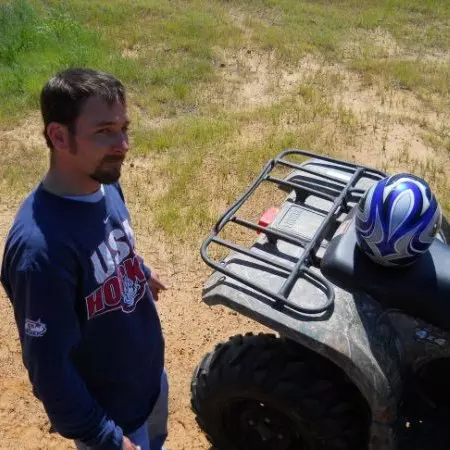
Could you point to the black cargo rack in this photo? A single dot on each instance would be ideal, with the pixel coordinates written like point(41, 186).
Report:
point(337, 191)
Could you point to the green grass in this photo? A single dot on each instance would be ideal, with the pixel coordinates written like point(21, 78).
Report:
point(423, 77)
point(35, 42)
point(189, 144)
point(188, 133)
point(20, 169)
point(438, 138)
point(173, 56)
point(174, 48)
point(294, 28)
point(172, 43)
point(325, 27)
point(209, 165)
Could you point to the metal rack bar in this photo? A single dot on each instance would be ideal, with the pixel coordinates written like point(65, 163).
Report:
point(308, 187)
point(247, 252)
point(338, 193)
point(311, 172)
point(318, 236)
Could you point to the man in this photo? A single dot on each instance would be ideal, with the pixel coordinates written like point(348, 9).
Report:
point(82, 297)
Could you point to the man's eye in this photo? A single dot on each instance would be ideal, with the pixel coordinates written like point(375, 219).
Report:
point(103, 131)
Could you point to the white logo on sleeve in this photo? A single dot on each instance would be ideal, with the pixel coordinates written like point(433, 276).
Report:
point(35, 328)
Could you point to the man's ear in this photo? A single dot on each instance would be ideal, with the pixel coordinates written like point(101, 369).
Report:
point(59, 135)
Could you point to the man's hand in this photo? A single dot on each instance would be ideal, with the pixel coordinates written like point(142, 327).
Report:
point(128, 445)
point(156, 285)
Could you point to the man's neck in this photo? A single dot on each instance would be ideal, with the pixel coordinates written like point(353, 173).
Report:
point(60, 184)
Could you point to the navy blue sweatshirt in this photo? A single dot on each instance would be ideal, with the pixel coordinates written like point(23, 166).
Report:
point(90, 334)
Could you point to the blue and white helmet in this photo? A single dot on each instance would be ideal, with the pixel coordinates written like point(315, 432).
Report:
point(397, 220)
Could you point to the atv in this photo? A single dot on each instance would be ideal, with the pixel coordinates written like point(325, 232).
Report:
point(359, 356)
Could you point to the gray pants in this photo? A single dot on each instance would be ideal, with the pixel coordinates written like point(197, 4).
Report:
point(152, 434)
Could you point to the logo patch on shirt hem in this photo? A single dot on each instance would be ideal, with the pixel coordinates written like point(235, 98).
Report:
point(35, 328)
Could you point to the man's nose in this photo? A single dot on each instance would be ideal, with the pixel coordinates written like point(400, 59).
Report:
point(121, 143)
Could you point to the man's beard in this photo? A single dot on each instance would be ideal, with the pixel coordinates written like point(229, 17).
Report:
point(106, 173)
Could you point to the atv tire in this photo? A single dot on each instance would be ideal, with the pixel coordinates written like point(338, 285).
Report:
point(267, 393)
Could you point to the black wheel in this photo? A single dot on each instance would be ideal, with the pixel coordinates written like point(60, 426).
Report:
point(265, 393)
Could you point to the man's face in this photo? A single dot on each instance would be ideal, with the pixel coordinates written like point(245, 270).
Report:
point(100, 140)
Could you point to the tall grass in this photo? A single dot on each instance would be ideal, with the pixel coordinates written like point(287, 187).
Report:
point(161, 50)
point(35, 42)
